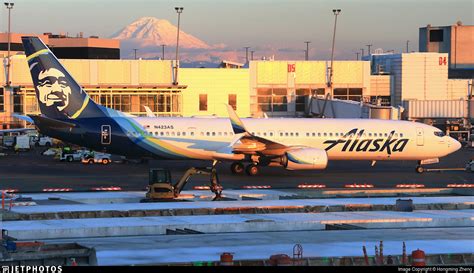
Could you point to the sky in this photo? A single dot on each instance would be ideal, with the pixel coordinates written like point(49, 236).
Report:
point(260, 24)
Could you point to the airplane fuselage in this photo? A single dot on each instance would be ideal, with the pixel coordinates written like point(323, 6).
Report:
point(209, 138)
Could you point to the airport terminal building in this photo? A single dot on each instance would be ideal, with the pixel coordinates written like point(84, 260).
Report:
point(267, 87)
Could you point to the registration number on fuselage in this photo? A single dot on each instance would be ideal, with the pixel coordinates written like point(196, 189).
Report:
point(164, 127)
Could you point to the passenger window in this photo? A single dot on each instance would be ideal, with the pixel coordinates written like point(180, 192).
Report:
point(271, 134)
point(319, 134)
point(330, 134)
point(213, 133)
point(370, 134)
point(208, 134)
point(291, 134)
point(178, 134)
point(286, 134)
point(202, 133)
point(167, 133)
point(192, 133)
point(264, 133)
point(172, 133)
point(184, 133)
point(325, 134)
point(386, 135)
point(225, 133)
point(401, 135)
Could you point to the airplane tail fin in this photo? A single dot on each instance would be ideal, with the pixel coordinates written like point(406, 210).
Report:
point(59, 95)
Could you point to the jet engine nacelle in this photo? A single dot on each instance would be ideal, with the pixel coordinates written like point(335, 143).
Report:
point(305, 159)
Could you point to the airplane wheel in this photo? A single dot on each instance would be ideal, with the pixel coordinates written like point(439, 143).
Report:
point(252, 170)
point(419, 169)
point(237, 168)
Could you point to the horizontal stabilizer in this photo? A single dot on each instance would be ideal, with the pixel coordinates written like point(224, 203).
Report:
point(25, 118)
point(52, 123)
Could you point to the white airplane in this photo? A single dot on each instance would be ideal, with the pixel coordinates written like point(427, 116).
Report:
point(69, 114)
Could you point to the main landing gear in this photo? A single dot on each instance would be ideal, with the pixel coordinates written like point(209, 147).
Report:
point(251, 169)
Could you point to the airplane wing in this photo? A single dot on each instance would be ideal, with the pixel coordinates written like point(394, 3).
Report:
point(247, 143)
point(53, 123)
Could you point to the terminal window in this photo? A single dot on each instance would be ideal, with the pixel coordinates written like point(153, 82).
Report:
point(354, 94)
point(202, 102)
point(233, 101)
point(272, 99)
point(17, 102)
point(2, 103)
point(436, 35)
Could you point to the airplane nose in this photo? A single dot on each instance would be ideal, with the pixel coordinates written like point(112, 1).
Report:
point(455, 145)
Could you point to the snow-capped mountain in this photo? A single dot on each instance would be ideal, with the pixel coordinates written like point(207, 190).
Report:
point(151, 31)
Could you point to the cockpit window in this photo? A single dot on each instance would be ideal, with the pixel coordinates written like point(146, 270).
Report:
point(440, 134)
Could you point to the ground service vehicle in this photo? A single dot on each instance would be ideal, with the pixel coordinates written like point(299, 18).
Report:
point(22, 143)
point(160, 185)
point(70, 156)
point(92, 158)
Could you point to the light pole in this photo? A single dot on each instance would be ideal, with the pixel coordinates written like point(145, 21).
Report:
point(307, 50)
point(247, 53)
point(336, 13)
point(408, 41)
point(179, 10)
point(251, 55)
point(368, 47)
point(357, 55)
point(9, 7)
point(135, 49)
point(362, 50)
point(163, 51)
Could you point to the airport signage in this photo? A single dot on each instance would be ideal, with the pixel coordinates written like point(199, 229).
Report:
point(442, 61)
point(291, 68)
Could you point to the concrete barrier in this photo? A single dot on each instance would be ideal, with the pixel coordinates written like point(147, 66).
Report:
point(140, 226)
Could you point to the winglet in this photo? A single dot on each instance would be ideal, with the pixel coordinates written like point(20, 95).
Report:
point(237, 124)
point(149, 113)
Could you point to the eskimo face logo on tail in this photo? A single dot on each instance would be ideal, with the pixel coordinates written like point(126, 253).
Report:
point(352, 142)
point(53, 89)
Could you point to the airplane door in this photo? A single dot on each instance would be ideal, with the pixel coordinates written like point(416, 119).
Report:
point(105, 134)
point(419, 136)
